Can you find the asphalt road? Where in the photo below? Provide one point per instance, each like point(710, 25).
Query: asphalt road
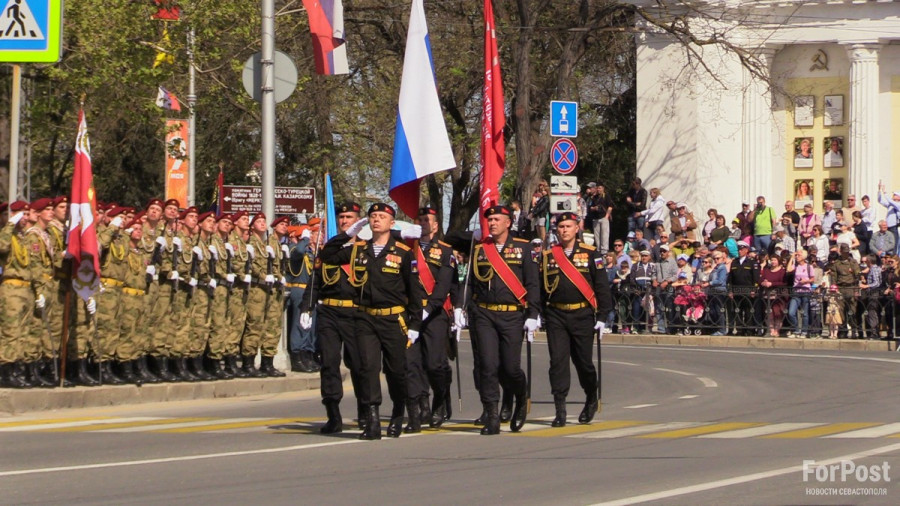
point(678, 426)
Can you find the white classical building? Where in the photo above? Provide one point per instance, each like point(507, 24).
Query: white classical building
point(711, 133)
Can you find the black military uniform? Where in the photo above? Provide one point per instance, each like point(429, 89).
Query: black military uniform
point(390, 304)
point(744, 278)
point(427, 362)
point(337, 304)
point(498, 318)
point(570, 318)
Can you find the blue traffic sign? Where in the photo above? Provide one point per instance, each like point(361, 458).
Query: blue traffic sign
point(563, 119)
point(31, 31)
point(564, 156)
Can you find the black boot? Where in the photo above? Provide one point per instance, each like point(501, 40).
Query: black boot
point(215, 368)
point(126, 372)
point(80, 374)
point(53, 367)
point(231, 366)
point(250, 369)
point(424, 410)
point(518, 418)
point(491, 419)
point(267, 367)
point(334, 424)
point(395, 426)
point(9, 379)
point(437, 411)
point(109, 377)
point(165, 368)
point(35, 369)
point(590, 408)
point(448, 403)
point(362, 416)
point(506, 406)
point(198, 370)
point(21, 370)
point(560, 420)
point(373, 425)
point(482, 418)
point(314, 361)
point(297, 364)
point(182, 371)
point(143, 371)
point(415, 422)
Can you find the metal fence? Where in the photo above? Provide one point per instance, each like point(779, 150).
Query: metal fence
point(845, 313)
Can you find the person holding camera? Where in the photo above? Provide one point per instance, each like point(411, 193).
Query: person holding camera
point(656, 213)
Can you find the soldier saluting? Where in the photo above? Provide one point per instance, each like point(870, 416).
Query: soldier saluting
point(577, 297)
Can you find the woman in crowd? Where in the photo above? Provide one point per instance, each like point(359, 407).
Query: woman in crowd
point(820, 241)
point(804, 278)
point(846, 236)
point(710, 224)
point(861, 231)
point(771, 279)
point(719, 234)
point(807, 222)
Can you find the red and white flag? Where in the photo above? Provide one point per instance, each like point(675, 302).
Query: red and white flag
point(83, 246)
point(493, 120)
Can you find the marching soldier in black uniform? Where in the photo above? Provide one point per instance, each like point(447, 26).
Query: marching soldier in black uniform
point(577, 300)
point(506, 295)
point(427, 363)
point(337, 304)
point(389, 315)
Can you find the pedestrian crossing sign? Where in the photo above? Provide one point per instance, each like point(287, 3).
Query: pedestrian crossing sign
point(31, 31)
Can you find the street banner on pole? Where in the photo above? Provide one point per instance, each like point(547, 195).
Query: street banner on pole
point(177, 161)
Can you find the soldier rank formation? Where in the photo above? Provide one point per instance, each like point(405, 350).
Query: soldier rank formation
point(190, 296)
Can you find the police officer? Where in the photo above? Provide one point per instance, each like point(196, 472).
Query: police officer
point(390, 312)
point(577, 299)
point(506, 295)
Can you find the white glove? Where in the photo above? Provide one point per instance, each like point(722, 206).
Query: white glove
point(306, 234)
point(177, 242)
point(600, 327)
point(476, 235)
point(283, 281)
point(247, 278)
point(270, 279)
point(413, 232)
point(174, 276)
point(540, 324)
point(197, 252)
point(212, 284)
point(229, 248)
point(40, 302)
point(412, 335)
point(270, 251)
point(229, 278)
point(151, 270)
point(91, 305)
point(251, 250)
point(284, 249)
point(213, 251)
point(193, 282)
point(530, 326)
point(16, 218)
point(357, 227)
point(305, 321)
point(459, 318)
point(116, 222)
point(161, 241)
point(424, 315)
point(128, 231)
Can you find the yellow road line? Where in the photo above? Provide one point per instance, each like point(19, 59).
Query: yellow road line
point(571, 429)
point(236, 425)
point(23, 423)
point(832, 428)
point(703, 429)
point(122, 425)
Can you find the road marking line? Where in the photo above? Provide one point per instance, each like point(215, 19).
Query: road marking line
point(832, 428)
point(639, 406)
point(232, 425)
point(185, 458)
point(697, 431)
point(674, 371)
point(139, 425)
point(761, 431)
point(569, 430)
point(708, 383)
point(621, 363)
point(640, 429)
point(174, 423)
point(61, 425)
point(45, 421)
point(688, 396)
point(889, 429)
point(737, 480)
point(765, 353)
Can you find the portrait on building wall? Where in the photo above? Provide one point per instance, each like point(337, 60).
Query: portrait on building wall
point(834, 152)
point(834, 110)
point(834, 191)
point(803, 192)
point(803, 152)
point(804, 110)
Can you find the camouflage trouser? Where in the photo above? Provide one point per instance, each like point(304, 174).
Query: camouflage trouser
point(180, 323)
point(108, 324)
point(150, 300)
point(199, 331)
point(81, 332)
point(218, 324)
point(15, 314)
point(263, 321)
point(237, 319)
point(133, 336)
point(40, 342)
point(162, 318)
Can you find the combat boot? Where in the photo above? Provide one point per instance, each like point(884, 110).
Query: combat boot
point(491, 419)
point(9, 379)
point(437, 412)
point(143, 372)
point(182, 371)
point(424, 410)
point(448, 401)
point(35, 369)
point(590, 408)
point(232, 367)
point(560, 420)
point(373, 425)
point(82, 377)
point(482, 418)
point(518, 417)
point(267, 367)
point(395, 426)
point(506, 406)
point(415, 423)
point(198, 370)
point(362, 415)
point(21, 369)
point(163, 370)
point(126, 372)
point(107, 374)
point(251, 369)
point(334, 423)
point(215, 368)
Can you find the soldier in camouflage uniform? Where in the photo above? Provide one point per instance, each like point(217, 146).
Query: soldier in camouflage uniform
point(201, 294)
point(17, 297)
point(237, 304)
point(37, 241)
point(179, 322)
point(152, 226)
point(134, 339)
point(266, 297)
point(113, 266)
point(160, 321)
point(220, 288)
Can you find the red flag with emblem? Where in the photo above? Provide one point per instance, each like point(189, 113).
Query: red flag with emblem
point(493, 120)
point(82, 241)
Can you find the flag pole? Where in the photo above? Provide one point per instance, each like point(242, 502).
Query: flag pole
point(192, 121)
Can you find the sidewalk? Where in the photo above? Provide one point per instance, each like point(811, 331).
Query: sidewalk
point(781, 343)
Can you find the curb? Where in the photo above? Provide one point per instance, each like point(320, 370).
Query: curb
point(20, 401)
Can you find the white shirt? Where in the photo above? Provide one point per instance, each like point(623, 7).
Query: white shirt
point(657, 209)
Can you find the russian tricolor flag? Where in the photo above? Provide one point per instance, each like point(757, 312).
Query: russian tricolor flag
point(326, 25)
point(421, 144)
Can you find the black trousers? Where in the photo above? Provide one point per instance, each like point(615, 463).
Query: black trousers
point(427, 365)
point(334, 330)
point(500, 338)
point(570, 334)
point(381, 341)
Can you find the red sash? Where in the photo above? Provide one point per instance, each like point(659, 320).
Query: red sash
point(346, 269)
point(566, 266)
point(427, 277)
point(502, 269)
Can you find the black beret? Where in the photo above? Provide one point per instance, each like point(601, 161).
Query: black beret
point(566, 216)
point(427, 210)
point(384, 208)
point(349, 207)
point(497, 210)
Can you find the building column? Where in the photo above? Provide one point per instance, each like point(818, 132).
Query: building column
point(863, 149)
point(758, 140)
